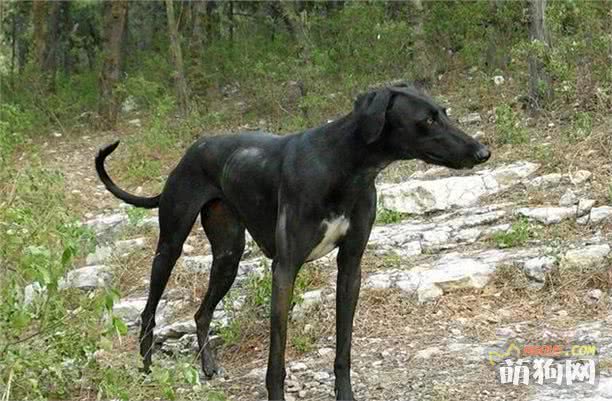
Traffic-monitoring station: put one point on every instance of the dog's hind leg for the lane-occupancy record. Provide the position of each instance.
(179, 206)
(226, 235)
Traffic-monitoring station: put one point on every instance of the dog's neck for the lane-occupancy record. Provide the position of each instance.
(364, 160)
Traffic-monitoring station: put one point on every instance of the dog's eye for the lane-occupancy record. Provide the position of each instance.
(429, 121)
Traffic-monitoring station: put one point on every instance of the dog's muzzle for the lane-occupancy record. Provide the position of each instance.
(482, 154)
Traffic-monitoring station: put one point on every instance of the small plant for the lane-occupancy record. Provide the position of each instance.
(388, 216)
(259, 290)
(302, 342)
(392, 259)
(136, 215)
(231, 333)
(517, 235)
(543, 153)
(583, 125)
(508, 126)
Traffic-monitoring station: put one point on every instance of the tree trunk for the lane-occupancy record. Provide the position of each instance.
(540, 88)
(39, 21)
(180, 84)
(21, 41)
(46, 38)
(67, 38)
(424, 66)
(212, 21)
(114, 26)
(197, 30)
(230, 17)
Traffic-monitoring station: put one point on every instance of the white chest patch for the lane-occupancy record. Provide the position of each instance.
(335, 229)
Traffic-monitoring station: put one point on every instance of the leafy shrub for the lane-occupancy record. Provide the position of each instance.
(46, 343)
(508, 126)
(14, 124)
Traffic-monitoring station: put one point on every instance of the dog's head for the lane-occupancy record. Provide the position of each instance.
(408, 124)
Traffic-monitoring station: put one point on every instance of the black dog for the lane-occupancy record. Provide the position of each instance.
(300, 196)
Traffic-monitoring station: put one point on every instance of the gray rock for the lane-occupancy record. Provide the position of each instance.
(451, 271)
(546, 181)
(256, 266)
(468, 235)
(325, 351)
(175, 330)
(595, 294)
(422, 196)
(100, 255)
(569, 198)
(104, 252)
(135, 122)
(258, 373)
(310, 299)
(479, 135)
(499, 228)
(293, 386)
(186, 345)
(599, 214)
(433, 172)
(475, 219)
(107, 226)
(33, 292)
(130, 245)
(583, 220)
(435, 239)
(427, 353)
(197, 264)
(129, 309)
(581, 176)
(547, 215)
(537, 268)
(498, 80)
(322, 376)
(298, 367)
(587, 256)
(584, 207)
(380, 281)
(87, 278)
(472, 118)
(151, 222)
(428, 294)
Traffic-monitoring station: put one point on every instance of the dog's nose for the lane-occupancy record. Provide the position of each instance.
(482, 154)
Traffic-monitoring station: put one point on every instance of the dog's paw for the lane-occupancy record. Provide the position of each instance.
(210, 368)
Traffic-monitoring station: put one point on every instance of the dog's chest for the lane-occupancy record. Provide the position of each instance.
(334, 230)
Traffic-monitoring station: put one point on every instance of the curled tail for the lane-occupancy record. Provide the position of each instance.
(140, 201)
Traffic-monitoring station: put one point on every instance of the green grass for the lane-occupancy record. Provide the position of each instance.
(516, 236)
(387, 216)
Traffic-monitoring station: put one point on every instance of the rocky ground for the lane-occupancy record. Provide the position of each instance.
(439, 288)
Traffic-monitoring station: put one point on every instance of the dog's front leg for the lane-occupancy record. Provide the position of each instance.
(347, 291)
(283, 279)
(294, 240)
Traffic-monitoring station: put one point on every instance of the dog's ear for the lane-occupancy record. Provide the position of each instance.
(371, 109)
